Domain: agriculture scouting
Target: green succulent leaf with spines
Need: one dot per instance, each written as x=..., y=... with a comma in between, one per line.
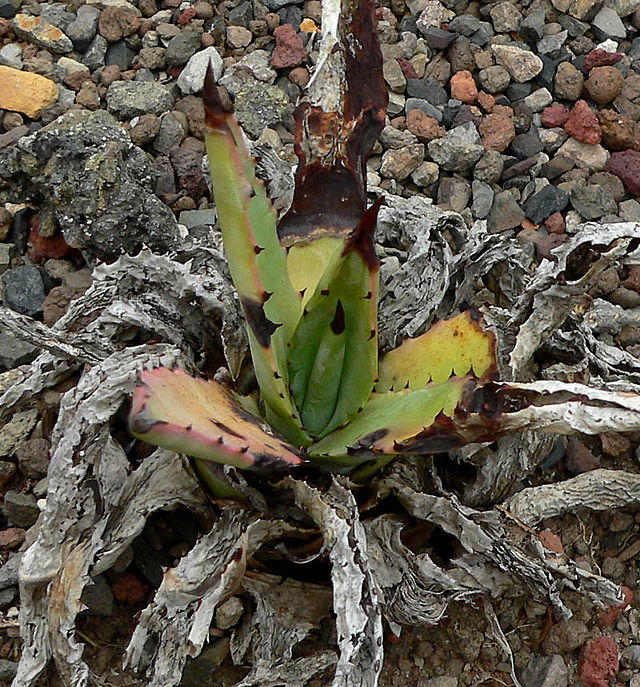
x=257, y=261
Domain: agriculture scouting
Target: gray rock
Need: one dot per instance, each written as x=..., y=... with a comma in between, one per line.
x=482, y=199
x=634, y=656
x=83, y=28
x=453, y=193
x=427, y=89
x=523, y=65
x=41, y=33
x=574, y=26
x=33, y=457
x=593, y=201
x=550, y=45
x=390, y=137
x=629, y=210
x=173, y=128
x=11, y=56
x=545, y=671
x=532, y=26
x=505, y=213
x=120, y=54
x=197, y=218
x=241, y=15
x=182, y=47
x=8, y=8
x=20, y=509
x=191, y=79
x=484, y=34
x=96, y=52
x=7, y=595
x=16, y=430
x=494, y=79
x=426, y=174
x=8, y=670
x=259, y=106
x=98, y=597
x=426, y=107
x=229, y=613
x=459, y=150
x=580, y=9
x=394, y=75
x=9, y=571
x=24, y=289
x=489, y=167
x=275, y=5
x=538, y=100
x=437, y=38
x=527, y=145
x=465, y=25
x=607, y=24
x=14, y=352
x=544, y=203
x=84, y=170
x=57, y=14
x=505, y=17
x=128, y=99
x=198, y=671
x=568, y=82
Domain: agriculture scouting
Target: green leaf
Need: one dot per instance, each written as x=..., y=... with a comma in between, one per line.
x=334, y=352
x=203, y=419
x=458, y=346
x=392, y=422
x=257, y=261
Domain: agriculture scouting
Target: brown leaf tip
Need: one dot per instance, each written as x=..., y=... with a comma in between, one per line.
x=215, y=112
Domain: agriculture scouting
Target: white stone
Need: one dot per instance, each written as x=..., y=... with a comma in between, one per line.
x=523, y=65
x=191, y=79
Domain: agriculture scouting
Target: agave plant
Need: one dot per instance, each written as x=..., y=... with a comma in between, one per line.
x=308, y=286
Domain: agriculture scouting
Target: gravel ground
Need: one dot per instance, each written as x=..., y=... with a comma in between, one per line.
x=524, y=114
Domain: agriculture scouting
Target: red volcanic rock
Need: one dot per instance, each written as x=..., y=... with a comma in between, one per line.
x=608, y=617
x=45, y=247
x=289, y=50
x=604, y=84
x=186, y=16
x=407, y=68
x=129, y=590
x=497, y=132
x=598, y=662
x=600, y=58
x=463, y=87
x=554, y=115
x=626, y=166
x=583, y=124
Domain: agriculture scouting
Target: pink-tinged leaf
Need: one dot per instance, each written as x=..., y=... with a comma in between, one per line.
x=458, y=346
x=203, y=419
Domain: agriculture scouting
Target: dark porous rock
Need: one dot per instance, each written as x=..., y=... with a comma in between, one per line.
x=33, y=457
x=8, y=8
x=24, y=289
x=259, y=106
x=182, y=47
x=241, y=15
x=164, y=178
x=187, y=164
x=625, y=298
x=612, y=185
x=198, y=671
x=173, y=128
x=505, y=213
x=57, y=303
x=83, y=170
x=128, y=99
x=545, y=671
x=145, y=129
x=527, y=145
x=593, y=201
x=544, y=203
x=461, y=57
x=494, y=79
x=9, y=571
x=619, y=132
x=465, y=24
x=522, y=117
x=489, y=168
x=20, y=509
x=7, y=472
